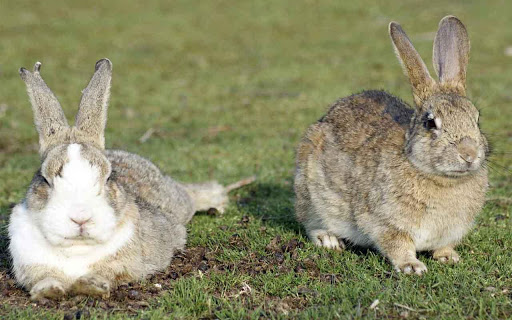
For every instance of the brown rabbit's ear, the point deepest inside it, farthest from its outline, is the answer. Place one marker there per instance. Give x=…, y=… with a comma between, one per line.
x=49, y=117
x=451, y=54
x=92, y=113
x=414, y=67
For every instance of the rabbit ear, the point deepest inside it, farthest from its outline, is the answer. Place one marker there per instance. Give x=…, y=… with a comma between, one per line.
x=92, y=113
x=451, y=54
x=48, y=115
x=414, y=67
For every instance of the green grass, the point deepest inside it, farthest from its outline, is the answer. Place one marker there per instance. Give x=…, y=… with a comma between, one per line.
x=229, y=87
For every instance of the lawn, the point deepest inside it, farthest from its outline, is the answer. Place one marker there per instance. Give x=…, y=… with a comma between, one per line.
x=224, y=90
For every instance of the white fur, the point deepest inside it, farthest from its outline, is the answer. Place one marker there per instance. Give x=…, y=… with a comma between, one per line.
x=77, y=194
x=30, y=247
x=427, y=239
x=49, y=237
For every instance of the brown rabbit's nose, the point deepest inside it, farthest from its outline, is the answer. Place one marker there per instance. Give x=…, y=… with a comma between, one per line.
x=468, y=150
x=80, y=222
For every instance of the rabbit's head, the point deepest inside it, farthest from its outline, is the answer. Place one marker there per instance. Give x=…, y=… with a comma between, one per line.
x=444, y=137
x=71, y=197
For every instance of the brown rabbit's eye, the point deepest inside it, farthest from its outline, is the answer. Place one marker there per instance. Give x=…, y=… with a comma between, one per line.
x=430, y=124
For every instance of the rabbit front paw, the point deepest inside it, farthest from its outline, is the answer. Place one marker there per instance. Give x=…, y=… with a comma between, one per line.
x=329, y=241
x=48, y=288
x=413, y=266
x=92, y=285
x=446, y=255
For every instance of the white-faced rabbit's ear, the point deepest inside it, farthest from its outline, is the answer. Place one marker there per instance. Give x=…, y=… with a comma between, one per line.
x=451, y=54
x=49, y=117
x=414, y=67
x=92, y=113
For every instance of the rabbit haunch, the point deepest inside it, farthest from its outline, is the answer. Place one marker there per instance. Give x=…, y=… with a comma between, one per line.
x=78, y=222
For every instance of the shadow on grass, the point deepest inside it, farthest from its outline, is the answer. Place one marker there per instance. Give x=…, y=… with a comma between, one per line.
x=273, y=204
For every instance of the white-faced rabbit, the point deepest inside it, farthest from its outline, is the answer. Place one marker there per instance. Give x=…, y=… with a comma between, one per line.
x=378, y=173
x=93, y=217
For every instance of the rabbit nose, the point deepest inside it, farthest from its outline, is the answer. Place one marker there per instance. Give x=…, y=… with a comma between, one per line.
x=467, y=150
x=80, y=222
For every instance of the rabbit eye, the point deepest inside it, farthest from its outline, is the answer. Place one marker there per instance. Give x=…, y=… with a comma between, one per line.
x=111, y=176
x=45, y=181
x=430, y=122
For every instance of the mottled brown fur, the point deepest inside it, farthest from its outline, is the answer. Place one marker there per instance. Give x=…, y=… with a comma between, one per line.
x=376, y=172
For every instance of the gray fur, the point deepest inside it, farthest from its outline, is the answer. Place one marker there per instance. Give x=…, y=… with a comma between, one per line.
x=48, y=115
x=92, y=113
x=212, y=194
x=146, y=183
x=135, y=188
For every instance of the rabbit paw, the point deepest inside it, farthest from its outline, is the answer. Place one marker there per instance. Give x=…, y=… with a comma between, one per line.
x=411, y=266
x=446, y=255
x=48, y=288
x=92, y=285
x=329, y=241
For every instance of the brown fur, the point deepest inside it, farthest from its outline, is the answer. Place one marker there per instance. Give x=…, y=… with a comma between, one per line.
x=371, y=172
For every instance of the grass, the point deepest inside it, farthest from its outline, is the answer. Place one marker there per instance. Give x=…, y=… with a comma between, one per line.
x=229, y=87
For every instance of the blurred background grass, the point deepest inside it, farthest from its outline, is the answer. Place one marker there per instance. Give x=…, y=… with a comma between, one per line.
x=228, y=87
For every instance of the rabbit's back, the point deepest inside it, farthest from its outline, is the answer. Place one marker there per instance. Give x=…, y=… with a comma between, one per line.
x=146, y=183
x=368, y=120
x=364, y=127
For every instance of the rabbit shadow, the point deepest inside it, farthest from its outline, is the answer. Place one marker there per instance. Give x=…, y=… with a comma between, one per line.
x=272, y=203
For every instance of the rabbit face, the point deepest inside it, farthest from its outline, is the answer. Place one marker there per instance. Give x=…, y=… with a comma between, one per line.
x=70, y=198
x=445, y=138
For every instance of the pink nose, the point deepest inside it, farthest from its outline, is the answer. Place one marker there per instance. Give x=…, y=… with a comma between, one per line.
x=80, y=222
x=468, y=150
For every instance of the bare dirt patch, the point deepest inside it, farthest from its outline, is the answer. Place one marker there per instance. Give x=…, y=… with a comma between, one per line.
x=129, y=298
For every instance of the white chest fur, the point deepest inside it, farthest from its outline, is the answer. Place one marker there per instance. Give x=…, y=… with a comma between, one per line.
x=431, y=236
x=29, y=247
x=444, y=223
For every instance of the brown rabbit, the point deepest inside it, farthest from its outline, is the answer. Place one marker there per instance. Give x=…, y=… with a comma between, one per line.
x=376, y=172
